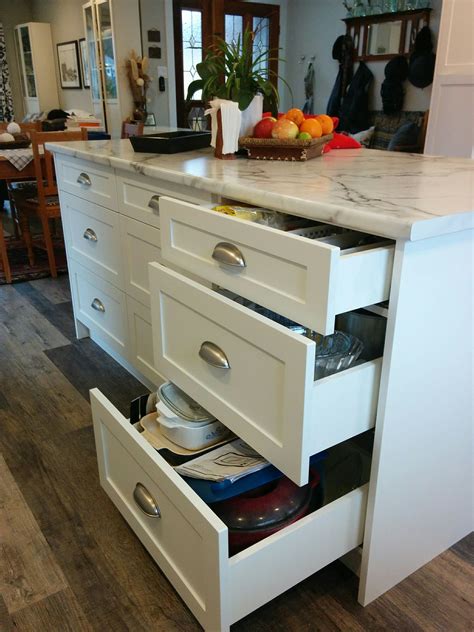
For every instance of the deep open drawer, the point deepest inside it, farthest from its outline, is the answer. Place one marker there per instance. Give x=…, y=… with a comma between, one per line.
x=304, y=279
x=268, y=396
x=190, y=543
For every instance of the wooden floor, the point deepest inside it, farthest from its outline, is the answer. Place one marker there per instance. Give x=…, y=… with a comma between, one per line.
x=69, y=562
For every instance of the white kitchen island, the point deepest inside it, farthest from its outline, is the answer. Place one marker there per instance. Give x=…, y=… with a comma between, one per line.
x=122, y=211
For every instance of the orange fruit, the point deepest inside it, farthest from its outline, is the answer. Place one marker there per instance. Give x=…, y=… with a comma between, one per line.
x=313, y=127
x=295, y=115
x=326, y=122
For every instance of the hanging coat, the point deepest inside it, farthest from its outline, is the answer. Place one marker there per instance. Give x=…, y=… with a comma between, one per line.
x=342, y=50
x=355, y=104
x=308, y=107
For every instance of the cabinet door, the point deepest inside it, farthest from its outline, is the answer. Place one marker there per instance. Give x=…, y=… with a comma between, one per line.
x=26, y=61
x=92, y=51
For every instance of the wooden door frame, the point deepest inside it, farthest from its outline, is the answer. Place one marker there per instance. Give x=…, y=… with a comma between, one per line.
x=213, y=25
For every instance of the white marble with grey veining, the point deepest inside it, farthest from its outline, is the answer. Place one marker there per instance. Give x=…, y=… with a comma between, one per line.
x=395, y=195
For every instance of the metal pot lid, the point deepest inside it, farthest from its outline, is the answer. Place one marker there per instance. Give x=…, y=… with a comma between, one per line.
x=183, y=405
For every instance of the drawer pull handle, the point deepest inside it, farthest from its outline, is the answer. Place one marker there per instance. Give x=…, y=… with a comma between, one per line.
x=83, y=178
x=90, y=235
x=213, y=355
x=145, y=501
x=154, y=203
x=229, y=255
x=98, y=305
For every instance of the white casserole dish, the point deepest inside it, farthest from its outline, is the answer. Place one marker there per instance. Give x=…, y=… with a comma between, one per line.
x=191, y=435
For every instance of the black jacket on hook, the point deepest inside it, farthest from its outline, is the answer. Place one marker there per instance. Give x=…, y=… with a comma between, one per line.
x=342, y=50
x=354, y=115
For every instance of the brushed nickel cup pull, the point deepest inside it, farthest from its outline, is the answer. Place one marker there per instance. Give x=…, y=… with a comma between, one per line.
x=213, y=355
x=90, y=235
x=145, y=501
x=154, y=203
x=98, y=305
x=83, y=178
x=229, y=255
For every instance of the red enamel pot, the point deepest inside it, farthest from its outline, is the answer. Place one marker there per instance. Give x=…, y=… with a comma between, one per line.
x=255, y=515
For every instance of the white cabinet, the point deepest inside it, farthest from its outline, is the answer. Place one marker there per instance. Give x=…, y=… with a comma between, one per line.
x=264, y=388
x=112, y=235
x=112, y=30
x=36, y=60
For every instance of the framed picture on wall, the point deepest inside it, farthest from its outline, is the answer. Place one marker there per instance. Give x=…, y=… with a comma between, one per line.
x=69, y=68
x=86, y=73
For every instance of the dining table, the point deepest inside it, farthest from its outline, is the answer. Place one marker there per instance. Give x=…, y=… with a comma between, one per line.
x=9, y=171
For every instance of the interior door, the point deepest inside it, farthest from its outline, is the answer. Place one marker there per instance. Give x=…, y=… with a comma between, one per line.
x=453, y=84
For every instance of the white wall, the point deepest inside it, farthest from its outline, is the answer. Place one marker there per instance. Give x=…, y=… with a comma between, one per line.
x=313, y=26
x=65, y=17
x=13, y=12
x=153, y=17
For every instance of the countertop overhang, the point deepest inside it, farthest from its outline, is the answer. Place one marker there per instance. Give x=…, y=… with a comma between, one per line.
x=391, y=194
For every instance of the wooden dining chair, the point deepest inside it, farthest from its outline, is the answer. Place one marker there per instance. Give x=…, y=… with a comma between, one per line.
x=25, y=127
x=44, y=203
x=4, y=254
x=132, y=129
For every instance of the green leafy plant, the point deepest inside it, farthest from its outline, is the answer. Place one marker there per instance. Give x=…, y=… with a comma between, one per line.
x=230, y=71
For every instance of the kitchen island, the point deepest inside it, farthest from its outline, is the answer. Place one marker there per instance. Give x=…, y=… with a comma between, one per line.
x=127, y=213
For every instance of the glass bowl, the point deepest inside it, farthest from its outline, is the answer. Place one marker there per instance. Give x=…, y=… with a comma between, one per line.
x=335, y=353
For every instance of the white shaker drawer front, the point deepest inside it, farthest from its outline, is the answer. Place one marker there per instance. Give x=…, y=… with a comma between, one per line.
x=100, y=306
x=182, y=534
x=93, y=235
x=141, y=340
x=189, y=542
x=256, y=376
x=140, y=197
x=303, y=279
x=87, y=180
x=140, y=246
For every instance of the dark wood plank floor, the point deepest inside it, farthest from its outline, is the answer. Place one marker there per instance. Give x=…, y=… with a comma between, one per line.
x=69, y=562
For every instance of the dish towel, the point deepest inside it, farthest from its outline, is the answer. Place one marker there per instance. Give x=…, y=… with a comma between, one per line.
x=19, y=158
x=231, y=120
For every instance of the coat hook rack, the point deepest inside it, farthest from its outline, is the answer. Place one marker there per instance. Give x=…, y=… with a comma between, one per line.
x=303, y=58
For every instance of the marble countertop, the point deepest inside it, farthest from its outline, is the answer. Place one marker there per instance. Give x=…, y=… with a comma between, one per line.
x=395, y=195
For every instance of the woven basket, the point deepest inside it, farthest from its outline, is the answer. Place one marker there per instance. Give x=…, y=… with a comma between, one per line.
x=286, y=149
x=22, y=141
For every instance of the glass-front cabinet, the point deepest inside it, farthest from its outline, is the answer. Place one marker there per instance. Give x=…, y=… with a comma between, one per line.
x=101, y=18
x=37, y=69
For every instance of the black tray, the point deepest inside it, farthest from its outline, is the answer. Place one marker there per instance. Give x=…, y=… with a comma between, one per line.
x=170, y=142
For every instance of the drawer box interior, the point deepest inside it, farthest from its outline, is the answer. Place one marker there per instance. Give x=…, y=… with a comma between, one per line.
x=239, y=583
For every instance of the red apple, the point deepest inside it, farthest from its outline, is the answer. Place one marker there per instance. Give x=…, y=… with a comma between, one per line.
x=284, y=128
x=263, y=129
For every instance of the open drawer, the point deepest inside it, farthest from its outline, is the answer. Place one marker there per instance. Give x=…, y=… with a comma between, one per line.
x=267, y=395
x=303, y=279
x=190, y=543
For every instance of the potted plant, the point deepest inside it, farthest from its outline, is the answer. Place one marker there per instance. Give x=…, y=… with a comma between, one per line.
x=230, y=71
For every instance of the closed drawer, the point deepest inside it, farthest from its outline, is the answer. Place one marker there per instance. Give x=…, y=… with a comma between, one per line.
x=140, y=246
x=141, y=340
x=93, y=237
x=87, y=180
x=268, y=395
x=189, y=542
x=304, y=279
x=139, y=196
x=100, y=306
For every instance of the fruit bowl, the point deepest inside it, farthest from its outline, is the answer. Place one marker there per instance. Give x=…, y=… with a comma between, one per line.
x=284, y=149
